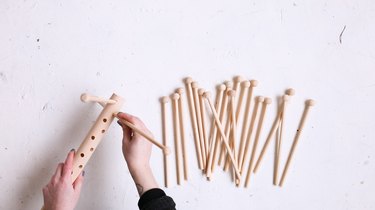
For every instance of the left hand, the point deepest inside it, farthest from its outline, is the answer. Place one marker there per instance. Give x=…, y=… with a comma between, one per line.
x=60, y=193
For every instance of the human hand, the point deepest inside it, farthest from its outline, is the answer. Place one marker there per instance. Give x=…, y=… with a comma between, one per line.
x=137, y=153
x=60, y=193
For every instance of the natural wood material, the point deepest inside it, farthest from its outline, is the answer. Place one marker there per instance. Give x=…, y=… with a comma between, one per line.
x=180, y=91
x=266, y=102
x=246, y=120
x=194, y=85
x=227, y=122
x=203, y=120
x=213, y=136
x=96, y=133
x=221, y=130
x=247, y=141
x=309, y=103
x=176, y=131
x=164, y=100
x=274, y=127
x=193, y=117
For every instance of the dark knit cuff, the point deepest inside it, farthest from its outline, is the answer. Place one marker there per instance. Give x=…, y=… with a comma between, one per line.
x=155, y=199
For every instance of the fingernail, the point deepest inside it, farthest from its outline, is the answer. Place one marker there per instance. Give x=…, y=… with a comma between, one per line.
x=119, y=113
x=83, y=173
x=118, y=122
x=72, y=150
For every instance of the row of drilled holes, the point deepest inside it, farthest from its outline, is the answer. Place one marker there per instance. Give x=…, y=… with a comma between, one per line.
x=92, y=138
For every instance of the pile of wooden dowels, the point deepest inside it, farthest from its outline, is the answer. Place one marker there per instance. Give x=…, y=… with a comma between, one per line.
x=229, y=142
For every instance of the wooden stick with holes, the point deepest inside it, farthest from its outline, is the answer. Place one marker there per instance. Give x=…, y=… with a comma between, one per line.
x=97, y=131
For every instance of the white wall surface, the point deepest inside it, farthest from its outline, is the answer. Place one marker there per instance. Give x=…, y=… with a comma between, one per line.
x=52, y=51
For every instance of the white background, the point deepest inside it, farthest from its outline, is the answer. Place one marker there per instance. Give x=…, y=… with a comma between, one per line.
x=52, y=51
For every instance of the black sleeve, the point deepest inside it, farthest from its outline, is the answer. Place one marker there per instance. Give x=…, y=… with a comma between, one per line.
x=156, y=199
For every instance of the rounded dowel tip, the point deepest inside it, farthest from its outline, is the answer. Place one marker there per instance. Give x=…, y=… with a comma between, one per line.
x=238, y=78
x=206, y=94
x=164, y=99
x=285, y=98
x=166, y=151
x=253, y=83
x=260, y=99
x=188, y=80
x=175, y=96
x=267, y=100
x=310, y=102
x=228, y=84
x=245, y=84
x=231, y=93
x=290, y=92
x=85, y=97
x=180, y=91
x=194, y=84
x=200, y=91
x=221, y=87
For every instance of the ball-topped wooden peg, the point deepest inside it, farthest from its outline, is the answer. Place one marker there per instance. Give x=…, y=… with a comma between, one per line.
x=310, y=102
x=231, y=93
x=253, y=83
x=175, y=96
x=90, y=98
x=188, y=80
x=228, y=84
x=290, y=92
x=164, y=99
x=245, y=83
x=180, y=91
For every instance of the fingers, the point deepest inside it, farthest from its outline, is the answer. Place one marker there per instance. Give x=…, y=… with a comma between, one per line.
x=77, y=185
x=58, y=171
x=68, y=165
x=132, y=119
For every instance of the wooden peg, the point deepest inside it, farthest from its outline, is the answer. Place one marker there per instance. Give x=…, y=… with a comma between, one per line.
x=194, y=85
x=193, y=118
x=246, y=120
x=221, y=130
x=244, y=87
x=232, y=94
x=227, y=123
x=266, y=102
x=203, y=114
x=247, y=141
x=180, y=91
x=279, y=138
x=237, y=81
x=269, y=137
x=217, y=148
x=164, y=100
x=212, y=141
x=176, y=131
x=90, y=98
x=309, y=103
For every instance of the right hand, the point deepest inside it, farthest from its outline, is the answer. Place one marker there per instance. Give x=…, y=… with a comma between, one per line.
x=137, y=153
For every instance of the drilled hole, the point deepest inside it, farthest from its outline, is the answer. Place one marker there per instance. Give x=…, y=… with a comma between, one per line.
x=92, y=137
x=91, y=149
x=80, y=166
x=103, y=131
x=105, y=120
x=82, y=155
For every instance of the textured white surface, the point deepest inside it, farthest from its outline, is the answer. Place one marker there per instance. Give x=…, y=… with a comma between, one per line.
x=52, y=51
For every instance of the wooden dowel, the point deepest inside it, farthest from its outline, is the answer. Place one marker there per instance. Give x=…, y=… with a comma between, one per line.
x=194, y=85
x=247, y=141
x=221, y=130
x=165, y=149
x=244, y=88
x=90, y=98
x=269, y=137
x=219, y=98
x=246, y=120
x=227, y=122
x=176, y=129
x=203, y=120
x=193, y=117
x=309, y=103
x=231, y=133
x=180, y=91
x=257, y=135
x=164, y=100
x=213, y=144
x=279, y=139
